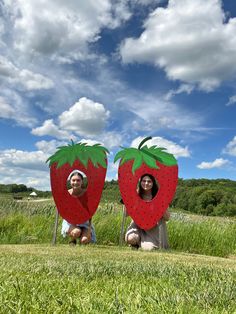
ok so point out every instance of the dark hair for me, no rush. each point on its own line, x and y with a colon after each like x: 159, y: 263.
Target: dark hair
x: 76, y: 173
x: 154, y: 186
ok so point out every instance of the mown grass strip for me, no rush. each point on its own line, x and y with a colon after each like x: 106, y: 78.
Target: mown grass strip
x: 43, y: 279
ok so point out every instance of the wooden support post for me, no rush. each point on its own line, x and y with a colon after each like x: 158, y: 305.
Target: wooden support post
x: 122, y: 225
x: 54, y: 238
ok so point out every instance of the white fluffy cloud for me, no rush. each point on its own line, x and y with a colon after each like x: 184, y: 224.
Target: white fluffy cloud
x: 190, y: 40
x: 230, y: 147
x: 217, y: 163
x: 25, y: 167
x: 170, y: 146
x: 49, y: 128
x: 49, y: 147
x: 63, y: 28
x: 85, y: 117
x: 23, y: 159
x: 30, y: 168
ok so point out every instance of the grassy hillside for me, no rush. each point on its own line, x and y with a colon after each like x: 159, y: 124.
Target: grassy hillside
x: 61, y: 279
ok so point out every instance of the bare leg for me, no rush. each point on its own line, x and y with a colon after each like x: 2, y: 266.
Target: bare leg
x: 74, y: 232
x: 85, y: 236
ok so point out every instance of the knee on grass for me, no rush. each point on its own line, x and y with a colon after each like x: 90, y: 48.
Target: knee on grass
x: 75, y: 233
x: 84, y: 240
x: 133, y: 239
x: 86, y: 236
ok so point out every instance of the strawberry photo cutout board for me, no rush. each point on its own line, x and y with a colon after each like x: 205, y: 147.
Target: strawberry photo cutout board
x: 90, y: 160
x: 134, y: 163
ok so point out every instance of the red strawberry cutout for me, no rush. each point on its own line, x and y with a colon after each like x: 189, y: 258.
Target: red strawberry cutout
x: 92, y: 161
x: 154, y: 161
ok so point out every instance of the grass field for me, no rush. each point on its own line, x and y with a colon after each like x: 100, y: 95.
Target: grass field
x: 32, y: 222
x: 36, y: 277
x: 92, y: 279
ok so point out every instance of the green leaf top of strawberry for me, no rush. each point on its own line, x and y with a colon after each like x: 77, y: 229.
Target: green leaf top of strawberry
x: 80, y: 151
x: 146, y: 155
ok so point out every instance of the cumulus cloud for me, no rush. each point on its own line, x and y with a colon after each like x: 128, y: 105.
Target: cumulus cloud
x: 23, y: 159
x: 170, y: 146
x: 25, y: 167
x: 230, y: 147
x: 49, y: 128
x: 218, y: 163
x: 85, y: 117
x: 190, y: 40
x: 30, y: 168
x: 58, y: 35
x: 31, y: 178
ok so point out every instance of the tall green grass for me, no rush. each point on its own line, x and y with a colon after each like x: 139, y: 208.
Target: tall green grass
x: 92, y: 279
x: 32, y: 222
x: 203, y: 235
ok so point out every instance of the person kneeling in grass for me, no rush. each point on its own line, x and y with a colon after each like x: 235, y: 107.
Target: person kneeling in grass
x: 84, y: 232
x: 155, y: 238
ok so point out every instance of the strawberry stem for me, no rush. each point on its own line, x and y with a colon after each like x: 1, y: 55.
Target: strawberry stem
x: 143, y: 141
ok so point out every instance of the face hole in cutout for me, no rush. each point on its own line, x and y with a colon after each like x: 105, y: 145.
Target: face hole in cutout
x: 147, y: 187
x: 77, y: 183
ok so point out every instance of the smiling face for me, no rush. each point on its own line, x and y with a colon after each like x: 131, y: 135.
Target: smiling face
x: 146, y: 184
x: 76, y: 182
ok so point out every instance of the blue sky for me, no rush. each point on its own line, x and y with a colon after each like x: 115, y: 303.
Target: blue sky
x: 115, y: 72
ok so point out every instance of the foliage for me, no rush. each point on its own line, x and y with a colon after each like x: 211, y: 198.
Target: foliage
x: 145, y: 155
x: 207, y: 197
x: 80, y: 151
x: 14, y: 188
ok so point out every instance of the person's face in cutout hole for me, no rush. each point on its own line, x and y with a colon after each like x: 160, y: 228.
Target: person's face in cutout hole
x: 146, y: 183
x: 76, y: 181
x: 147, y: 186
x: 76, y: 184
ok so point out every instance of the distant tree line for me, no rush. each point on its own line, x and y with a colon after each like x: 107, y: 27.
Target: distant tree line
x: 207, y: 197
x: 14, y: 188
x: 201, y: 196
x: 22, y: 189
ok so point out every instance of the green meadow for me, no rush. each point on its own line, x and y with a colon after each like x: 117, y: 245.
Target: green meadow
x: 197, y: 275
x: 102, y: 279
x: 32, y: 222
